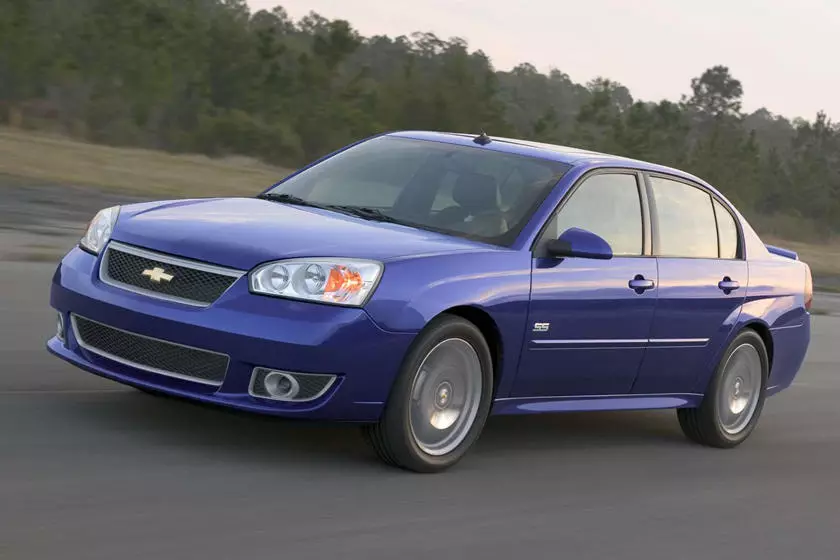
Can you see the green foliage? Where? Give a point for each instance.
(716, 93)
(209, 76)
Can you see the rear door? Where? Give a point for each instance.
(588, 326)
(702, 284)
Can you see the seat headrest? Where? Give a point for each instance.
(476, 192)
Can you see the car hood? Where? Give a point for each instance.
(244, 232)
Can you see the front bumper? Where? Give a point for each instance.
(253, 331)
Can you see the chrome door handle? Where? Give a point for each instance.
(728, 285)
(639, 284)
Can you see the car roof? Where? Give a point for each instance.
(564, 154)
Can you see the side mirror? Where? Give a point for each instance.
(577, 242)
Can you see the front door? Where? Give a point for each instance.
(589, 320)
(702, 285)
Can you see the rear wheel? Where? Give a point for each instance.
(735, 398)
(440, 400)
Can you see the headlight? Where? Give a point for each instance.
(99, 231)
(342, 281)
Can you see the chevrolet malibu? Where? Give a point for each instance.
(417, 282)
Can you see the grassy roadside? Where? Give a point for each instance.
(823, 258)
(54, 159)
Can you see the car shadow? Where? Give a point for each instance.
(223, 434)
(578, 431)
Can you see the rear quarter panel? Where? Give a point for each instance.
(775, 300)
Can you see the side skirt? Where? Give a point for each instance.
(589, 403)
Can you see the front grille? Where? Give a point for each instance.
(150, 354)
(165, 276)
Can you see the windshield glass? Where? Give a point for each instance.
(461, 190)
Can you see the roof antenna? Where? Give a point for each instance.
(482, 139)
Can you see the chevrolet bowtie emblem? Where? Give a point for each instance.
(157, 275)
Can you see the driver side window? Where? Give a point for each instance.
(608, 205)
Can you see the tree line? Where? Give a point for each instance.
(209, 76)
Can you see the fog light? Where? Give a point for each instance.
(59, 327)
(281, 385)
(287, 386)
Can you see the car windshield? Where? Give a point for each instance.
(466, 191)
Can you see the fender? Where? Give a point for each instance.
(495, 281)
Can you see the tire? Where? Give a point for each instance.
(716, 422)
(442, 361)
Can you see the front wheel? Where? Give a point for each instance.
(440, 400)
(735, 398)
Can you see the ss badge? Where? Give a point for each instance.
(541, 327)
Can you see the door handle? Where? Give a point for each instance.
(639, 284)
(728, 285)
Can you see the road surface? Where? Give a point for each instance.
(92, 470)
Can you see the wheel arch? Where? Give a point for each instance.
(756, 325)
(489, 329)
(766, 336)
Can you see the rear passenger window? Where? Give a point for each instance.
(727, 232)
(607, 205)
(686, 220)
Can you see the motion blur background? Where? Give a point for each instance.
(261, 92)
(114, 101)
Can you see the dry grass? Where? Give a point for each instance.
(823, 258)
(56, 159)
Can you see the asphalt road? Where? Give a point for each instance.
(92, 470)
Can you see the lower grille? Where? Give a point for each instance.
(150, 354)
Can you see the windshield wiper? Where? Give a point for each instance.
(291, 199)
(368, 213)
(364, 212)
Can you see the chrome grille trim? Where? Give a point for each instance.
(105, 277)
(93, 350)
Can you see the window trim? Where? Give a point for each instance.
(537, 246)
(738, 244)
(739, 255)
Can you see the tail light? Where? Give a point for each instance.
(809, 288)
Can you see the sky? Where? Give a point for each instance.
(785, 53)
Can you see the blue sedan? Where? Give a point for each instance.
(417, 282)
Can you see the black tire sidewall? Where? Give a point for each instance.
(396, 418)
(712, 402)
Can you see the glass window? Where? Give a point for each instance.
(444, 197)
(686, 220)
(469, 191)
(607, 205)
(375, 181)
(727, 232)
